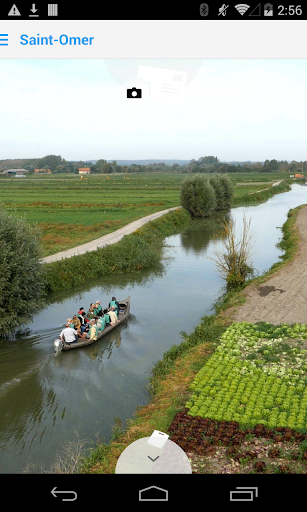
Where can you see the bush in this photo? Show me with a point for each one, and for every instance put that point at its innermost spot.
(232, 260)
(198, 196)
(220, 191)
(228, 190)
(21, 273)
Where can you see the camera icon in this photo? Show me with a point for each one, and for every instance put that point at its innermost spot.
(134, 93)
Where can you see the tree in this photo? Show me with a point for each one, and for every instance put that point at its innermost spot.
(218, 185)
(21, 273)
(49, 162)
(198, 196)
(98, 166)
(228, 190)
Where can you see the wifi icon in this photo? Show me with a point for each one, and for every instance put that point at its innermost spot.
(242, 8)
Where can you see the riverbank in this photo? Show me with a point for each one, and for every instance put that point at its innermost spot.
(139, 250)
(282, 297)
(170, 388)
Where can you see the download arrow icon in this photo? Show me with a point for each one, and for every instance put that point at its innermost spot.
(64, 492)
(33, 8)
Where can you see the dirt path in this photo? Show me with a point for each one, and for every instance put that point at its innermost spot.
(263, 189)
(109, 239)
(283, 297)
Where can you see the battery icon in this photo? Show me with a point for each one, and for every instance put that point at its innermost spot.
(268, 9)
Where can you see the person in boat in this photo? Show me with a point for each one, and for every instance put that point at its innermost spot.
(107, 317)
(93, 330)
(101, 323)
(114, 302)
(75, 323)
(81, 311)
(84, 322)
(90, 314)
(69, 335)
(113, 316)
(98, 308)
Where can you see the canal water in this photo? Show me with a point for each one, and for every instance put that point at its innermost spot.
(48, 402)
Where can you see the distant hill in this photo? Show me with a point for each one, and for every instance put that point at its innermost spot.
(148, 161)
(249, 162)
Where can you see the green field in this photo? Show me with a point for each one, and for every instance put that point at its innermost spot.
(71, 211)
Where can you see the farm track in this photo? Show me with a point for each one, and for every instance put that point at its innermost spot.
(105, 240)
(268, 188)
(283, 297)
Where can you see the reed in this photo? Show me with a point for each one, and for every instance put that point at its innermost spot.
(138, 251)
(232, 262)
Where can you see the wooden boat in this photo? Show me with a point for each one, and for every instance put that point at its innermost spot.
(124, 312)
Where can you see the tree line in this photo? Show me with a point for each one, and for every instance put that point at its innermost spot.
(205, 164)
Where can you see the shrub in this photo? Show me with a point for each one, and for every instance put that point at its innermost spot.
(21, 273)
(232, 261)
(198, 196)
(220, 191)
(228, 190)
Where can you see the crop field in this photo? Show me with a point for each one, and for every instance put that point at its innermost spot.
(71, 211)
(253, 386)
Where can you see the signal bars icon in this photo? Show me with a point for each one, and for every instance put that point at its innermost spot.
(242, 8)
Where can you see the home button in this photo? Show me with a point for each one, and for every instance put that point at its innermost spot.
(153, 493)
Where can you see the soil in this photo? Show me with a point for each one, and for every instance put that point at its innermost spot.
(223, 448)
(283, 297)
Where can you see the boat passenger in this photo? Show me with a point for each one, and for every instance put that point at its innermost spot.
(76, 323)
(113, 316)
(84, 322)
(90, 313)
(114, 302)
(101, 323)
(81, 311)
(69, 335)
(107, 317)
(98, 308)
(93, 330)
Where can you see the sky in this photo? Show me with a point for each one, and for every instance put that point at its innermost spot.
(233, 109)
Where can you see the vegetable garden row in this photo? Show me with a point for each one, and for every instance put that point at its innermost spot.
(255, 383)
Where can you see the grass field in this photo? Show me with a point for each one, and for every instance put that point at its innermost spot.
(71, 211)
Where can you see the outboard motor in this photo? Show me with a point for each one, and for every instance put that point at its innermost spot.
(58, 346)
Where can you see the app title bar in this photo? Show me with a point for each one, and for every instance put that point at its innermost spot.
(118, 39)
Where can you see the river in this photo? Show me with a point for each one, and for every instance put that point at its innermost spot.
(47, 401)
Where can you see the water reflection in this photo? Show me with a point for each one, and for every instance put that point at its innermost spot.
(198, 237)
(104, 347)
(107, 283)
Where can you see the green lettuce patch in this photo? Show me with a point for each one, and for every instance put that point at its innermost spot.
(257, 374)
